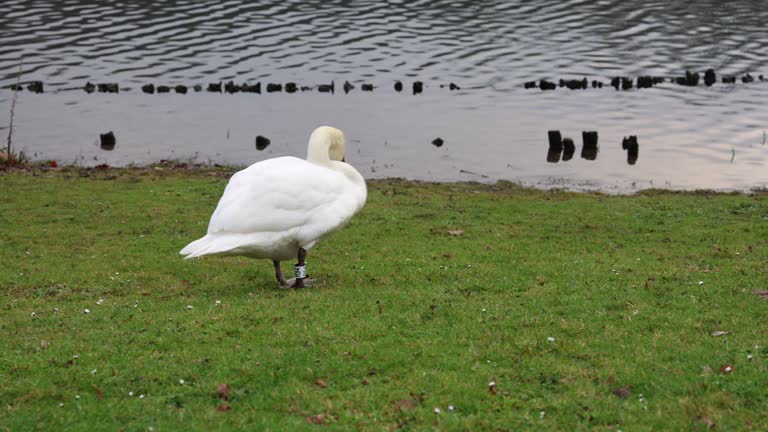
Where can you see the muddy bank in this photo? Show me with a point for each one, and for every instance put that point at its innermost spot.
(169, 168)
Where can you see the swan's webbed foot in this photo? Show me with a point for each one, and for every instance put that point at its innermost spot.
(300, 282)
(296, 282)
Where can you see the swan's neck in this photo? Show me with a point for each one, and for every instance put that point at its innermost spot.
(317, 150)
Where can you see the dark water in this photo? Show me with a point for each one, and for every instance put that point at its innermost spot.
(493, 128)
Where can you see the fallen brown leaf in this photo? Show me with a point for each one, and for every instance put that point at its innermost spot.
(456, 232)
(223, 407)
(622, 392)
(726, 369)
(223, 391)
(763, 294)
(405, 405)
(99, 393)
(316, 419)
(320, 383)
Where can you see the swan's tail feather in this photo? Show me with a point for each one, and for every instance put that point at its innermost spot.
(218, 244)
(199, 247)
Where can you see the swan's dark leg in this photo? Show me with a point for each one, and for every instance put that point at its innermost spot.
(305, 281)
(279, 275)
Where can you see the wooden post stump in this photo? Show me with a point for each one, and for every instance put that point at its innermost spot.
(590, 148)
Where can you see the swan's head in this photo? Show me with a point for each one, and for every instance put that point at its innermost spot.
(327, 138)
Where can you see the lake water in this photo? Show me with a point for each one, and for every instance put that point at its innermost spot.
(492, 127)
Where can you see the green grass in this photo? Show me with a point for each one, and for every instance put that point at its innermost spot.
(409, 318)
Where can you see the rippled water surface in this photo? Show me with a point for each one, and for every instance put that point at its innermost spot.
(493, 128)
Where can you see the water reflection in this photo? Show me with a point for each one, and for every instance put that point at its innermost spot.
(67, 39)
(262, 142)
(555, 146)
(569, 148)
(564, 147)
(589, 148)
(632, 147)
(107, 141)
(488, 50)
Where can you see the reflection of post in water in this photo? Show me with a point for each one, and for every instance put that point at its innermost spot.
(262, 142)
(632, 147)
(590, 148)
(555, 146)
(107, 141)
(569, 148)
(559, 145)
(564, 148)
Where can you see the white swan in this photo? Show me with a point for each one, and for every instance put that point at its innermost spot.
(279, 208)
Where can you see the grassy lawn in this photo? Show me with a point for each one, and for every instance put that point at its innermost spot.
(443, 307)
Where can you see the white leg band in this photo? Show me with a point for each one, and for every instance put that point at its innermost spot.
(300, 272)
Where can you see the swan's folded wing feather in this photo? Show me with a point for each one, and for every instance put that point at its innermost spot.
(276, 195)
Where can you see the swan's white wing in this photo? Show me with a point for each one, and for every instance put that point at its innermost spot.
(284, 195)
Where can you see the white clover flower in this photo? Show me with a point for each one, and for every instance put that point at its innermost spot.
(190, 307)
(218, 302)
(437, 410)
(33, 315)
(181, 381)
(550, 339)
(100, 301)
(86, 311)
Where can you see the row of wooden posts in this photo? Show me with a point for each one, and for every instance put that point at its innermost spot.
(563, 148)
(690, 79)
(417, 87)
